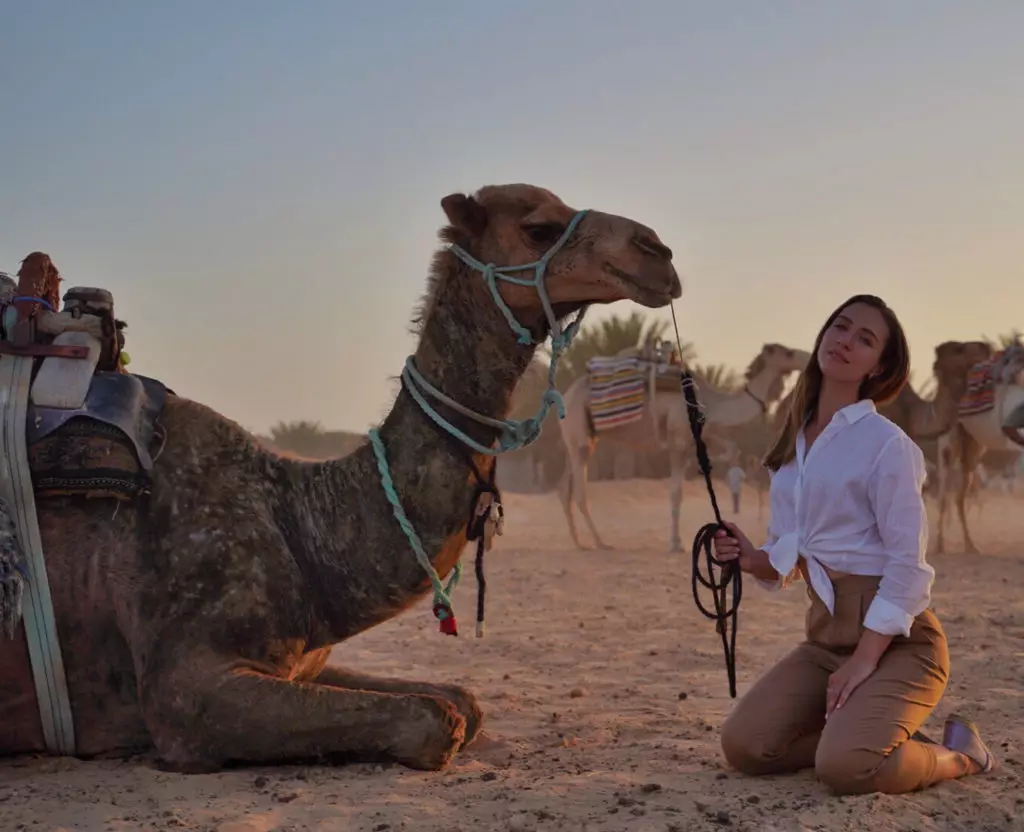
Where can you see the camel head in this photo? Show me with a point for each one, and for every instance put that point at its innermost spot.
(953, 359)
(780, 361)
(598, 258)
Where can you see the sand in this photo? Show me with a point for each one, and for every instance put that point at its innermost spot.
(604, 691)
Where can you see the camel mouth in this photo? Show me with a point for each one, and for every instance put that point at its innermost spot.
(639, 291)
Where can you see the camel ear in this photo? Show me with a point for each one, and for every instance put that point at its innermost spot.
(465, 213)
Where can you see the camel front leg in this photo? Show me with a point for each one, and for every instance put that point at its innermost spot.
(463, 701)
(675, 496)
(200, 721)
(970, 455)
(576, 492)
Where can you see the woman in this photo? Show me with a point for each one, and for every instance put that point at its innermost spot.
(847, 515)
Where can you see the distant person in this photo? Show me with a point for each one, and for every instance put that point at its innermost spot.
(735, 475)
(847, 515)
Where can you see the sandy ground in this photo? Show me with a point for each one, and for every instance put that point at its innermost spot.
(604, 690)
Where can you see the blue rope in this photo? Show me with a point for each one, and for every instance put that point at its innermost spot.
(442, 594)
(30, 299)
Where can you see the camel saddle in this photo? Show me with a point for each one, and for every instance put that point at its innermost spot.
(73, 424)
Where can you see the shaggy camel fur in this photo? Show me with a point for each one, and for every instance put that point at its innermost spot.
(199, 622)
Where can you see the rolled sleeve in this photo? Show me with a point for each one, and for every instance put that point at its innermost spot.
(894, 489)
(783, 556)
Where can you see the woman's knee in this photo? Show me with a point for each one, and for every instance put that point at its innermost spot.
(747, 750)
(847, 769)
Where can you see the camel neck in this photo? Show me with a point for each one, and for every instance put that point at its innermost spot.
(351, 539)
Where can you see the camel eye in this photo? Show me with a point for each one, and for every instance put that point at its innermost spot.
(544, 233)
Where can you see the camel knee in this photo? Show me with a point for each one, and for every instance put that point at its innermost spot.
(848, 769)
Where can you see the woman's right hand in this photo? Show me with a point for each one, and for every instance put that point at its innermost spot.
(736, 546)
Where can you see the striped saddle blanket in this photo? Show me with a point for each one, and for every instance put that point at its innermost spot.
(983, 378)
(618, 391)
(980, 395)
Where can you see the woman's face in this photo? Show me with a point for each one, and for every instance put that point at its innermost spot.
(851, 348)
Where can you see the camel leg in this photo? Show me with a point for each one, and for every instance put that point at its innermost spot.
(945, 459)
(463, 701)
(675, 496)
(565, 492)
(970, 455)
(580, 477)
(199, 721)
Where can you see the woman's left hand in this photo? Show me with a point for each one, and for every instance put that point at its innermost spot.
(846, 680)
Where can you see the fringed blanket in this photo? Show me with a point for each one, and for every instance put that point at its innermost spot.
(983, 378)
(981, 390)
(617, 391)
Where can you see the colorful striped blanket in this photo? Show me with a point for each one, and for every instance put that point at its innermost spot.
(982, 379)
(618, 392)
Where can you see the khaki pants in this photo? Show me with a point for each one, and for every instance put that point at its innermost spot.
(866, 746)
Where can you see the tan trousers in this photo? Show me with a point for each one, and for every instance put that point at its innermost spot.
(865, 746)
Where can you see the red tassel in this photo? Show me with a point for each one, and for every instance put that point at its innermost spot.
(447, 618)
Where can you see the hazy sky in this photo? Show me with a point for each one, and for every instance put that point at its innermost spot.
(258, 182)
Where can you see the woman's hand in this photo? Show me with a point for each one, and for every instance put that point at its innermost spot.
(847, 679)
(736, 546)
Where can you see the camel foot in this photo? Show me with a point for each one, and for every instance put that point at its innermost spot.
(462, 700)
(675, 546)
(430, 742)
(605, 547)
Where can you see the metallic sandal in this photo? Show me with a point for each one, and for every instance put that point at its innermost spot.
(960, 734)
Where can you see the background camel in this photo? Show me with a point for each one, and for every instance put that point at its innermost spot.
(974, 434)
(665, 425)
(198, 621)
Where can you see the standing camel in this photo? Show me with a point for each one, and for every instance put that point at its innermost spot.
(997, 428)
(197, 620)
(665, 427)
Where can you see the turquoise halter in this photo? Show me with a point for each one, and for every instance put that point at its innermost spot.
(515, 433)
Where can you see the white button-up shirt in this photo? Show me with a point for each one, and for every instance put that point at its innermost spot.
(853, 503)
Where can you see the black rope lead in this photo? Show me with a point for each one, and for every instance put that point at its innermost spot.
(722, 615)
(729, 572)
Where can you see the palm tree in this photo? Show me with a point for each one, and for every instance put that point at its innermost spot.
(302, 437)
(718, 376)
(609, 337)
(1013, 338)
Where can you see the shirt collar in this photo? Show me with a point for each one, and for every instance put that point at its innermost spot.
(853, 413)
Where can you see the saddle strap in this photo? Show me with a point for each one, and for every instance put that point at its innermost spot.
(40, 622)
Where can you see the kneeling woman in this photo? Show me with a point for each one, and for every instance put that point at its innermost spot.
(848, 517)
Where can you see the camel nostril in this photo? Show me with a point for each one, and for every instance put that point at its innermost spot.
(649, 245)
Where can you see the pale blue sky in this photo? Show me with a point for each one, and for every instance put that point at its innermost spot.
(248, 175)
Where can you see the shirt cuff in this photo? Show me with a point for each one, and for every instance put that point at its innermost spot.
(779, 582)
(886, 618)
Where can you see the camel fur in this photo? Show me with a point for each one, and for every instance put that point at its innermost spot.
(198, 622)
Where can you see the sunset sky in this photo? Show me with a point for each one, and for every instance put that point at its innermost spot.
(258, 182)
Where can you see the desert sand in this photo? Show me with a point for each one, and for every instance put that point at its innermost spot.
(604, 690)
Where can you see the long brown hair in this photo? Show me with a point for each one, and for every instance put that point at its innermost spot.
(881, 389)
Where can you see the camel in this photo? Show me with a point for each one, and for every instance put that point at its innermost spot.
(999, 428)
(765, 380)
(923, 419)
(196, 622)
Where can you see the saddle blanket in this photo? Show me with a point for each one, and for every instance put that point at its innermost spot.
(980, 395)
(617, 391)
